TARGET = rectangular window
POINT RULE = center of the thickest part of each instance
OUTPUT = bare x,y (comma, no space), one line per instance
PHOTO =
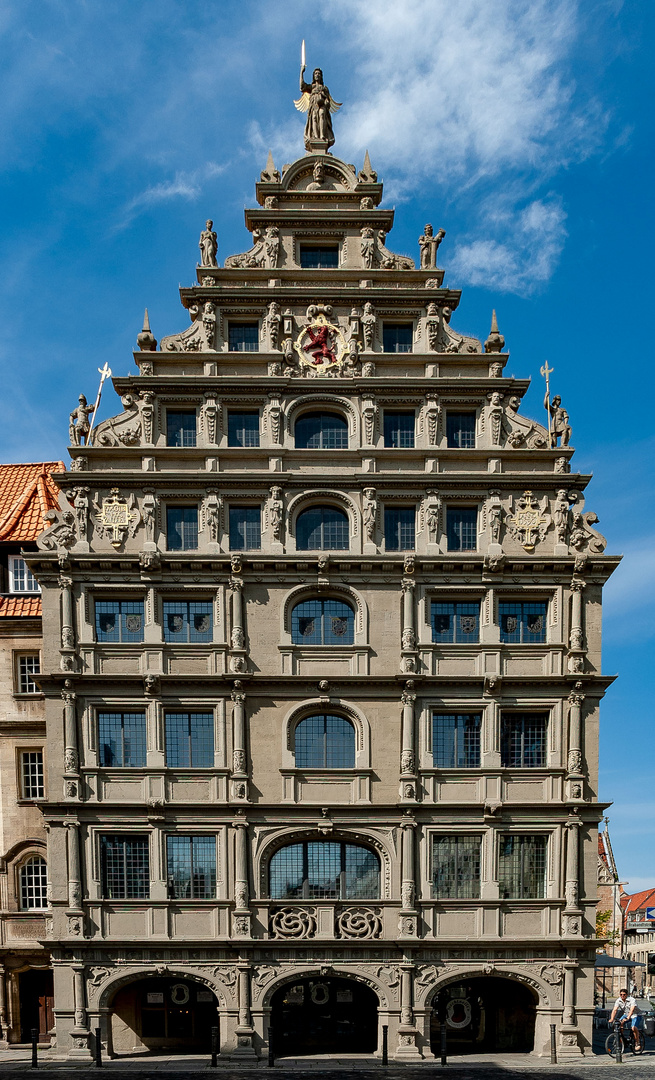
243,429
125,867
188,621
243,337
456,867
182,528
460,430
122,739
190,740
523,621
31,773
398,429
181,428
319,258
397,337
245,528
523,740
191,867
399,528
119,620
456,740
29,664
455,622
461,528
20,578
522,867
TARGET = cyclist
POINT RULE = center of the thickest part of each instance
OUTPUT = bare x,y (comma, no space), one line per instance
625,1008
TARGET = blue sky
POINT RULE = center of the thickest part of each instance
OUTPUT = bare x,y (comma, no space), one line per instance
524,128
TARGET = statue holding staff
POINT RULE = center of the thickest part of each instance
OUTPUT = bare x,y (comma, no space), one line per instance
319,104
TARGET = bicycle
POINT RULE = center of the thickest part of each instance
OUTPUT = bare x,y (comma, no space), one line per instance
627,1037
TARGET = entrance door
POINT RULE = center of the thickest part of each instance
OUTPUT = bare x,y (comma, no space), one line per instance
170,1013
484,1015
36,1004
324,1016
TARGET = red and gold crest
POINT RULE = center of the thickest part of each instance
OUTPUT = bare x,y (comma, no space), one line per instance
321,345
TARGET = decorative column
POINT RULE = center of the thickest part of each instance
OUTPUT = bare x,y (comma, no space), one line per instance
408,778
71,754
237,633
407,922
74,867
575,770
245,1030
409,657
239,756
80,1032
572,911
576,638
406,1030
569,1045
241,914
68,660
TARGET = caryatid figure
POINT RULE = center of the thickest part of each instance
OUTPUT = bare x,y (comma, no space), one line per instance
208,245
428,243
79,426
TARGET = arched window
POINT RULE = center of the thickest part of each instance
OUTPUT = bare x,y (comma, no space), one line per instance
33,884
324,742
322,622
322,528
321,431
324,870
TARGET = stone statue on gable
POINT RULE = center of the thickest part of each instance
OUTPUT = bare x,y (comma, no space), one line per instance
208,245
315,100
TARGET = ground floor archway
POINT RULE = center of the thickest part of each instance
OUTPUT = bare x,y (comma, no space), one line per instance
484,1015
157,1013
36,1003
324,1016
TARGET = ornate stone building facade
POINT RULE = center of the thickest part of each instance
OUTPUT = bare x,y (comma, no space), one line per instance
322,619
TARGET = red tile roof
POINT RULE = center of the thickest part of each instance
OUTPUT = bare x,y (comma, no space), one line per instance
637,901
27,492
14,607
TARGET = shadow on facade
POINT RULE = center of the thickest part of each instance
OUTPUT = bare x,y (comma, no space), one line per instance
484,1015
155,1013
324,1016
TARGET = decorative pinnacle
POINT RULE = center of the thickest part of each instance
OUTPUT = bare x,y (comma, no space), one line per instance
367,175
146,340
495,342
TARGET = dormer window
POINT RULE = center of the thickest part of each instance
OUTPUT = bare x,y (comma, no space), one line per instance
20,577
325,257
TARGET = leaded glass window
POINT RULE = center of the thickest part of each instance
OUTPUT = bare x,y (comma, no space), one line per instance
122,739
245,528
243,337
399,528
523,740
460,430
522,621
321,431
456,867
461,528
119,620
455,622
188,621
322,528
190,740
456,740
180,428
319,258
399,429
522,867
191,867
322,622
397,337
182,528
324,870
31,768
34,884
324,742
243,429
125,866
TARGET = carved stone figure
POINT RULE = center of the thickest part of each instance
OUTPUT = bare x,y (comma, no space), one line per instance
370,510
368,325
494,417
559,424
562,465
276,511
272,246
211,510
561,515
367,245
273,321
208,245
209,323
432,516
583,537
151,684
79,426
60,534
432,324
494,517
315,100
318,173
429,245
523,432
81,500
389,261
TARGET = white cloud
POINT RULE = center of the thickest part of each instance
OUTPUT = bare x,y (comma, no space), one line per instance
186,185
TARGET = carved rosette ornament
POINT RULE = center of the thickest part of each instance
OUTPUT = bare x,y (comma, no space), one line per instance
293,923
359,923
321,346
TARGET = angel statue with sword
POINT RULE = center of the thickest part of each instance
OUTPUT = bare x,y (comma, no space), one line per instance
318,103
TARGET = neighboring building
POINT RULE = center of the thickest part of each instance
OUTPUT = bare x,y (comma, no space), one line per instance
639,937
609,917
323,623
27,495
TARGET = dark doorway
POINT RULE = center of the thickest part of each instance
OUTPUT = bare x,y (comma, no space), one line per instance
324,1016
168,1013
484,1015
36,1004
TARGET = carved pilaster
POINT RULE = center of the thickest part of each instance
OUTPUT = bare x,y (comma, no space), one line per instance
409,655
575,764
68,660
577,650
237,632
74,866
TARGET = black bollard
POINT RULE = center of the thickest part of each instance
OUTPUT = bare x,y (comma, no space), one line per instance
618,1041
98,1048
35,1042
214,1060
553,1045
271,1051
443,1043
385,1044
